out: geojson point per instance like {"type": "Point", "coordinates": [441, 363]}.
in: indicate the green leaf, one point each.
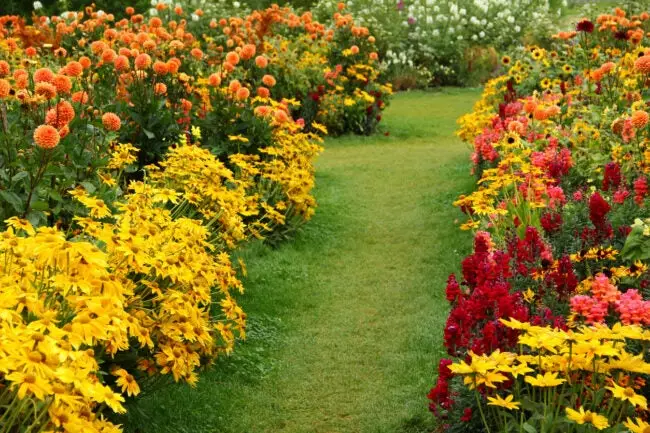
{"type": "Point", "coordinates": [13, 199]}
{"type": "Point", "coordinates": [18, 177]}
{"type": "Point", "coordinates": [54, 195]}
{"type": "Point", "coordinates": [89, 187]}
{"type": "Point", "coordinates": [40, 206]}
{"type": "Point", "coordinates": [529, 428]}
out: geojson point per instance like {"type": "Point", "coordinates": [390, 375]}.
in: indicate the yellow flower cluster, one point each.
{"type": "Point", "coordinates": [141, 284]}
{"type": "Point", "coordinates": [554, 368]}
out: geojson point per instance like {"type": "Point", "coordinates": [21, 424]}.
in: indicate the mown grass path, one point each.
{"type": "Point", "coordinates": [346, 320]}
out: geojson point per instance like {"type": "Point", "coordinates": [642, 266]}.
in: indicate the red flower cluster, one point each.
{"type": "Point", "coordinates": [473, 323]}
{"type": "Point", "coordinates": [440, 395]}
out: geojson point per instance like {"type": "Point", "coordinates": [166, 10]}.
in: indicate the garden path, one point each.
{"type": "Point", "coordinates": [346, 320]}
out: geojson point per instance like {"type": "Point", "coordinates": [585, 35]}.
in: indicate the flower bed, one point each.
{"type": "Point", "coordinates": [136, 154]}
{"type": "Point", "coordinates": [549, 319]}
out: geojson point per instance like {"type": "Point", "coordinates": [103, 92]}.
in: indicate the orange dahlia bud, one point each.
{"type": "Point", "coordinates": [640, 119]}
{"type": "Point", "coordinates": [354, 49]}
{"type": "Point", "coordinates": [143, 61]}
{"type": "Point", "coordinates": [642, 64]}
{"type": "Point", "coordinates": [129, 10]}
{"type": "Point", "coordinates": [46, 137]}
{"type": "Point", "coordinates": [196, 53]}
{"type": "Point", "coordinates": [268, 80]}
{"type": "Point", "coordinates": [111, 121]}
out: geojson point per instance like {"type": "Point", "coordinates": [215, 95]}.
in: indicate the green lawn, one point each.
{"type": "Point", "coordinates": [345, 320]}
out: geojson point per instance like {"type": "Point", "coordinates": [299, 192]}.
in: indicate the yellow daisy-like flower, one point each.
{"type": "Point", "coordinates": [637, 426]}
{"type": "Point", "coordinates": [587, 417]}
{"type": "Point", "coordinates": [238, 138]}
{"type": "Point", "coordinates": [21, 224]}
{"type": "Point", "coordinates": [505, 403]}
{"type": "Point", "coordinates": [628, 394]}
{"type": "Point", "coordinates": [549, 379]}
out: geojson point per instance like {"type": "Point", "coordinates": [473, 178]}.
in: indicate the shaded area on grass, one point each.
{"type": "Point", "coordinates": [345, 320]}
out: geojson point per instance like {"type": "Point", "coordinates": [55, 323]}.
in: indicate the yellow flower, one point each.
{"type": "Point", "coordinates": [549, 379]}
{"type": "Point", "coordinates": [506, 403]}
{"type": "Point", "coordinates": [126, 382]}
{"type": "Point", "coordinates": [21, 224]}
{"type": "Point", "coordinates": [628, 394]}
{"type": "Point", "coordinates": [637, 426]}
{"type": "Point", "coordinates": [238, 138]}
{"type": "Point", "coordinates": [589, 417]}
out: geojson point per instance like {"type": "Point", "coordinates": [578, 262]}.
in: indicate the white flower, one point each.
{"type": "Point", "coordinates": [236, 4]}
{"type": "Point", "coordinates": [474, 37]}
{"type": "Point", "coordinates": [195, 17]}
{"type": "Point", "coordinates": [153, 12]}
{"type": "Point", "coordinates": [38, 5]}
{"type": "Point", "coordinates": [510, 19]}
{"type": "Point", "coordinates": [517, 29]}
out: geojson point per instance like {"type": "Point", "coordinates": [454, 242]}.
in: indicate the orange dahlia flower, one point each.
{"type": "Point", "coordinates": [143, 61]}
{"type": "Point", "coordinates": [111, 121]}
{"type": "Point", "coordinates": [642, 64]}
{"type": "Point", "coordinates": [46, 90]}
{"type": "Point", "coordinates": [268, 80]}
{"type": "Point", "coordinates": [261, 62]}
{"type": "Point", "coordinates": [4, 68]}
{"type": "Point", "coordinates": [46, 137]}
{"type": "Point", "coordinates": [5, 88]}
{"type": "Point", "coordinates": [640, 119]}
{"type": "Point", "coordinates": [43, 75]}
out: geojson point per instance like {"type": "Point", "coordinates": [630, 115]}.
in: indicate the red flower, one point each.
{"type": "Point", "coordinates": [640, 190]}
